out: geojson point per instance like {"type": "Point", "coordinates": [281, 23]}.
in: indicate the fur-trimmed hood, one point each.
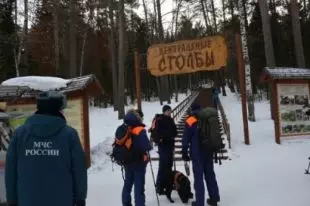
{"type": "Point", "coordinates": [132, 118]}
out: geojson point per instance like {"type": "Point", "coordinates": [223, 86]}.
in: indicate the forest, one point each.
{"type": "Point", "coordinates": [71, 38]}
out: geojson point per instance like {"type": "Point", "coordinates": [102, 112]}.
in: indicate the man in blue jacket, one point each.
{"type": "Point", "coordinates": [45, 164]}
{"type": "Point", "coordinates": [136, 170]}
{"type": "Point", "coordinates": [203, 167]}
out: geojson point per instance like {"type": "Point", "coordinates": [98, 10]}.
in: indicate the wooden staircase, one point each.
{"type": "Point", "coordinates": [180, 114]}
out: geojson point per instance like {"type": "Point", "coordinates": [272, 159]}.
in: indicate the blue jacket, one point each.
{"type": "Point", "coordinates": [190, 139]}
{"type": "Point", "coordinates": [45, 164]}
{"type": "Point", "coordinates": [141, 143]}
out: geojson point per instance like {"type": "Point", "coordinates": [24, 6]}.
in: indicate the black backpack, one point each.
{"type": "Point", "coordinates": [209, 130]}
{"type": "Point", "coordinates": [154, 137]}
{"type": "Point", "coordinates": [122, 152]}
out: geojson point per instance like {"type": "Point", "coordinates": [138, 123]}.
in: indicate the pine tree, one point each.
{"type": "Point", "coordinates": [7, 37]}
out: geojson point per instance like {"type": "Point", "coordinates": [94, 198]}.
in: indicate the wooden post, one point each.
{"type": "Point", "coordinates": [275, 107]}
{"type": "Point", "coordinates": [242, 88]}
{"type": "Point", "coordinates": [138, 79]}
{"type": "Point", "coordinates": [86, 128]}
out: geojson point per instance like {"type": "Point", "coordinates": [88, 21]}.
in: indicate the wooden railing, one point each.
{"type": "Point", "coordinates": [179, 110]}
{"type": "Point", "coordinates": [225, 123]}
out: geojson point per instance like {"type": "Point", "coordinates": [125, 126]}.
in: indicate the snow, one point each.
{"type": "Point", "coordinates": [262, 173]}
{"type": "Point", "coordinates": [39, 83]}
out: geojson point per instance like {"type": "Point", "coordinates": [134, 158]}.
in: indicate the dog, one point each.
{"type": "Point", "coordinates": [179, 182]}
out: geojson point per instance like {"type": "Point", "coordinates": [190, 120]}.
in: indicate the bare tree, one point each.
{"type": "Point", "coordinates": [113, 55]}
{"type": "Point", "coordinates": [214, 17]}
{"type": "Point", "coordinates": [203, 9]}
{"type": "Point", "coordinates": [56, 35]}
{"type": "Point", "coordinates": [121, 59]}
{"type": "Point", "coordinates": [243, 23]}
{"type": "Point", "coordinates": [297, 35]}
{"type": "Point", "coordinates": [269, 54]}
{"type": "Point", "coordinates": [73, 39]}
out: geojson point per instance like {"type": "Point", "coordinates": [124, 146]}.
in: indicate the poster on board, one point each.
{"type": "Point", "coordinates": [15, 115]}
{"type": "Point", "coordinates": [19, 113]}
{"type": "Point", "coordinates": [292, 117]}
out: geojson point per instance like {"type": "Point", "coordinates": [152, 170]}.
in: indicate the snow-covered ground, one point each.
{"type": "Point", "coordinates": [262, 173]}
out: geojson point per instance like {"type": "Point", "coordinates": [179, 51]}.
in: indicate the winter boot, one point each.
{"type": "Point", "coordinates": [212, 202]}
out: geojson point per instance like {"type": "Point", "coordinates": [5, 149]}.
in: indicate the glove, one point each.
{"type": "Point", "coordinates": [80, 203]}
{"type": "Point", "coordinates": [185, 157]}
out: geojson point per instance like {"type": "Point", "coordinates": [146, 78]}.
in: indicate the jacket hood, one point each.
{"type": "Point", "coordinates": [45, 125]}
{"type": "Point", "coordinates": [132, 119]}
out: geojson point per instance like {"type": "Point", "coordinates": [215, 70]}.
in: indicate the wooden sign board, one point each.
{"type": "Point", "coordinates": [75, 113]}
{"type": "Point", "coordinates": [187, 56]}
{"type": "Point", "coordinates": [292, 119]}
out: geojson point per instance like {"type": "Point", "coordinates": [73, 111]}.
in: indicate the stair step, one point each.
{"type": "Point", "coordinates": [180, 158]}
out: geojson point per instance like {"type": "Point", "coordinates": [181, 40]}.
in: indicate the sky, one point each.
{"type": "Point", "coordinates": [167, 7]}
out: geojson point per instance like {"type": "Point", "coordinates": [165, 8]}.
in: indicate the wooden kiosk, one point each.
{"type": "Point", "coordinates": [290, 97]}
{"type": "Point", "coordinates": [20, 103]}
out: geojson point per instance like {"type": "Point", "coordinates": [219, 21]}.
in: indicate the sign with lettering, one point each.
{"type": "Point", "coordinates": [206, 54]}
{"type": "Point", "coordinates": [73, 113]}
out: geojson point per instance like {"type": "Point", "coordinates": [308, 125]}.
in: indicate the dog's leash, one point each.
{"type": "Point", "coordinates": [187, 169]}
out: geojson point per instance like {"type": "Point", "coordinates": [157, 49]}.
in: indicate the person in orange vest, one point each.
{"type": "Point", "coordinates": [135, 171]}
{"type": "Point", "coordinates": [203, 167]}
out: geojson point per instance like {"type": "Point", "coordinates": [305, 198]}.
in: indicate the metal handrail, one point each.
{"type": "Point", "coordinates": [179, 109]}
{"type": "Point", "coordinates": [226, 124]}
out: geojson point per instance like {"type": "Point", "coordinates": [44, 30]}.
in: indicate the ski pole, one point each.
{"type": "Point", "coordinates": [153, 176]}
{"type": "Point", "coordinates": [307, 172]}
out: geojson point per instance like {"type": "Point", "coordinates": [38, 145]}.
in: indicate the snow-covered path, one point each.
{"type": "Point", "coordinates": [262, 173]}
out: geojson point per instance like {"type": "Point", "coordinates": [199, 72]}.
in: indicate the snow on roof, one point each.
{"type": "Point", "coordinates": [288, 73]}
{"type": "Point", "coordinates": [39, 83]}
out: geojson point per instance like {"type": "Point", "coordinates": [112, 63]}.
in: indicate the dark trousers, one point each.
{"type": "Point", "coordinates": [165, 166]}
{"type": "Point", "coordinates": [134, 175]}
{"type": "Point", "coordinates": [203, 170]}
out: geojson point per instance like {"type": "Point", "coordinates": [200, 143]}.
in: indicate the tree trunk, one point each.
{"type": "Point", "coordinates": [269, 53]}
{"type": "Point", "coordinates": [145, 13]}
{"type": "Point", "coordinates": [17, 45]}
{"type": "Point", "coordinates": [72, 34]}
{"type": "Point", "coordinates": [177, 17]}
{"type": "Point", "coordinates": [121, 59]}
{"type": "Point", "coordinates": [113, 55]}
{"type": "Point", "coordinates": [224, 13]}
{"type": "Point", "coordinates": [300, 58]}
{"type": "Point", "coordinates": [82, 52]}
{"type": "Point", "coordinates": [204, 12]}
{"type": "Point", "coordinates": [214, 17]}
{"type": "Point", "coordinates": [164, 81]}
{"type": "Point", "coordinates": [25, 40]}
{"type": "Point", "coordinates": [56, 36]}
{"type": "Point", "coordinates": [243, 23]}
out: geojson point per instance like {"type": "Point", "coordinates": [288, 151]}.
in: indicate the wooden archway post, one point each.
{"type": "Point", "coordinates": [138, 79]}
{"type": "Point", "coordinates": [242, 88]}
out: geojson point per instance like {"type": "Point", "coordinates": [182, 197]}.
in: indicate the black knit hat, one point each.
{"type": "Point", "coordinates": [166, 108]}
{"type": "Point", "coordinates": [51, 101]}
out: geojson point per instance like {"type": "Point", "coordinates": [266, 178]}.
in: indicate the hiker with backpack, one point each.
{"type": "Point", "coordinates": [202, 136]}
{"type": "Point", "coordinates": [165, 133]}
{"type": "Point", "coordinates": [130, 150]}
{"type": "Point", "coordinates": [46, 164]}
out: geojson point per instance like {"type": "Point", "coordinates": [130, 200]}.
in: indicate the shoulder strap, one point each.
{"type": "Point", "coordinates": [191, 120]}
{"type": "Point", "coordinates": [137, 130]}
